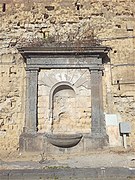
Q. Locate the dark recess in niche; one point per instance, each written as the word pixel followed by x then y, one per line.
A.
pixel 4 7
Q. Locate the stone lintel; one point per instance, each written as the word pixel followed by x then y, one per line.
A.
pixel 63 60
pixel 70 66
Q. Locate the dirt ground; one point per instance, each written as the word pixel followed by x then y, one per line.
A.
pixel 112 157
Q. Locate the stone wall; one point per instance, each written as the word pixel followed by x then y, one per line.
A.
pixel 112 22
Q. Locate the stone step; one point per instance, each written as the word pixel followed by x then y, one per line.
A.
pixel 116 173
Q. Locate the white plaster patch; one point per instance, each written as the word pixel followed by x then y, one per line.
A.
pixel 111 120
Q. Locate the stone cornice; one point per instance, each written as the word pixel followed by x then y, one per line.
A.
pixel 64 57
pixel 28 52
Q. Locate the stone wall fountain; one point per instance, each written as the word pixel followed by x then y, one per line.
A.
pixel 64 101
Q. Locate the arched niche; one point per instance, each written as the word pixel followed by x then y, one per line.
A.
pixel 62 107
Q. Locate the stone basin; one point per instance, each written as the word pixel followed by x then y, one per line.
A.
pixel 64 140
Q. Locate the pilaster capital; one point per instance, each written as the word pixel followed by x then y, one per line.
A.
pixel 32 69
pixel 96 68
pixel 96 71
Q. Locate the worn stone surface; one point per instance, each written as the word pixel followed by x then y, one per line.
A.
pixel 72 107
pixel 112 22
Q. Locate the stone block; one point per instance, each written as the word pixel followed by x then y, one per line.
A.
pixel 2 133
pixel 34 142
pixel 7 58
pixel 41 115
pixel 41 110
pixel 130 26
pixel 42 104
